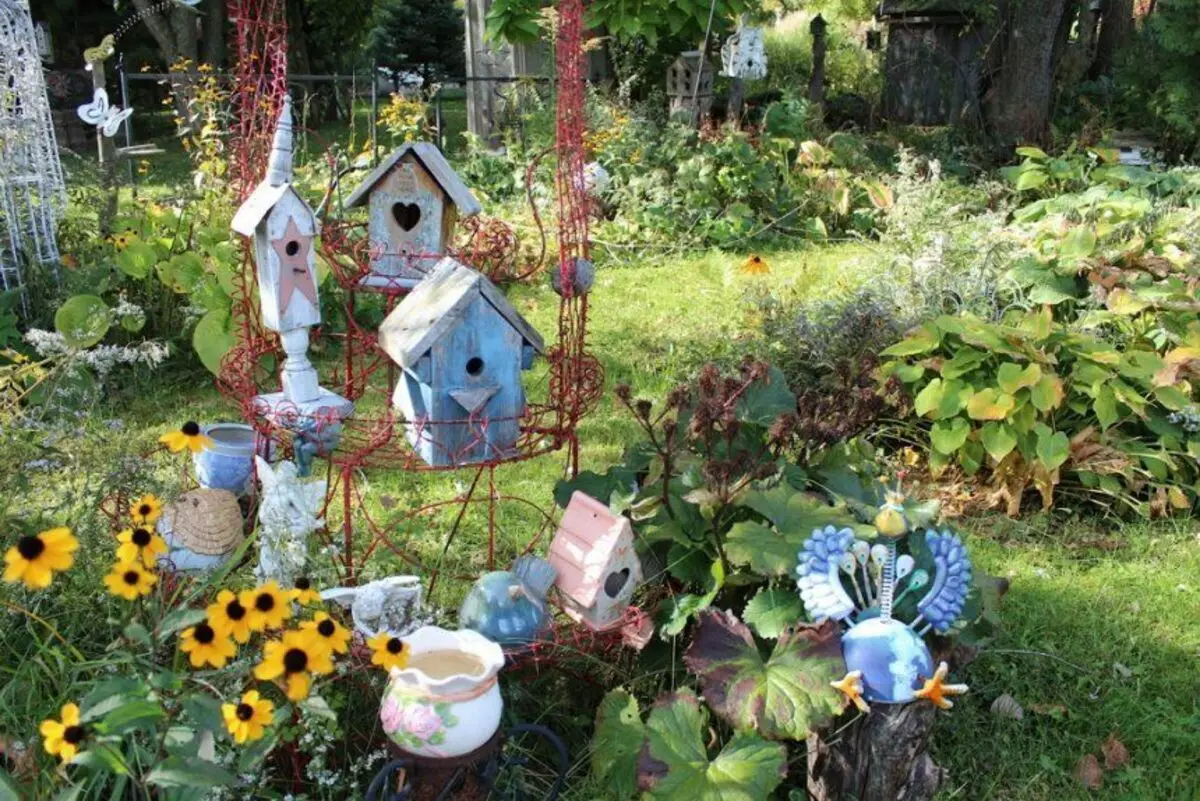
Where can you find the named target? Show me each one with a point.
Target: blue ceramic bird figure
(509, 606)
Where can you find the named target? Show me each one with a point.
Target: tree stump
(883, 756)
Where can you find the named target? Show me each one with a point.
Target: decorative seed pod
(1005, 706)
(581, 273)
(204, 521)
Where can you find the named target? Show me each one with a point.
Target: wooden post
(107, 152)
(816, 84)
(737, 91)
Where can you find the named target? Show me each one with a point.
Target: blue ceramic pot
(229, 461)
(503, 609)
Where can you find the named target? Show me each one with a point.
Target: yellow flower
(188, 436)
(203, 646)
(140, 545)
(35, 558)
(268, 606)
(247, 721)
(329, 631)
(129, 580)
(304, 594)
(61, 738)
(294, 660)
(122, 239)
(229, 618)
(146, 510)
(755, 265)
(388, 652)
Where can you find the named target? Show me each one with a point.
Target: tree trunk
(882, 755)
(174, 30)
(1116, 28)
(816, 82)
(214, 35)
(1023, 88)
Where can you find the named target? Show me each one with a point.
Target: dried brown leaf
(1116, 755)
(1089, 773)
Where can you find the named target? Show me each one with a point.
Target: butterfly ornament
(106, 117)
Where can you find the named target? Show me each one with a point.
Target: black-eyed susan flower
(140, 544)
(303, 592)
(755, 265)
(188, 436)
(388, 652)
(129, 580)
(35, 559)
(329, 631)
(229, 618)
(247, 720)
(61, 738)
(146, 510)
(294, 660)
(268, 606)
(204, 646)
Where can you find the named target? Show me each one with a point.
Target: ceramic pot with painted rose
(445, 702)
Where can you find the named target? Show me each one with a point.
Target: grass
(1101, 628)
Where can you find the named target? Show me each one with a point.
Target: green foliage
(520, 21)
(673, 761)
(782, 697)
(421, 36)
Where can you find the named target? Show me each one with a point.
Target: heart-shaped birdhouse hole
(407, 215)
(615, 582)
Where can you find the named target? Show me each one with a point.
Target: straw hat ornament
(201, 527)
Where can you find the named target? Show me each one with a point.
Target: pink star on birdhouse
(293, 250)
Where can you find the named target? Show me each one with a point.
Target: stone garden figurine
(391, 605)
(289, 512)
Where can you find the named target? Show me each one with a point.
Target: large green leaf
(1053, 447)
(83, 320)
(674, 764)
(1079, 243)
(990, 404)
(929, 398)
(176, 771)
(137, 260)
(1012, 377)
(998, 440)
(213, 338)
(784, 696)
(620, 735)
(948, 436)
(766, 399)
(921, 340)
(9, 791)
(772, 610)
(770, 549)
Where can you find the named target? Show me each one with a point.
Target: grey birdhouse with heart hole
(462, 347)
(414, 199)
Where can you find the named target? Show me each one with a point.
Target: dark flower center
(141, 537)
(204, 634)
(130, 577)
(394, 645)
(245, 711)
(234, 610)
(74, 734)
(145, 509)
(191, 428)
(30, 547)
(303, 583)
(326, 628)
(295, 660)
(265, 602)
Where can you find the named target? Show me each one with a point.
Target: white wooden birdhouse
(462, 347)
(687, 96)
(598, 568)
(414, 199)
(283, 230)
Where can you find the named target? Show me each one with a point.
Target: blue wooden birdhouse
(462, 347)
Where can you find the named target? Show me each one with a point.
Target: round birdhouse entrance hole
(615, 582)
(474, 365)
(292, 248)
(407, 215)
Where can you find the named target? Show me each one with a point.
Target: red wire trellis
(374, 436)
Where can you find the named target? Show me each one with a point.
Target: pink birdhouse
(597, 566)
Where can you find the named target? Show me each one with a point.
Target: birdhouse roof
(584, 545)
(205, 521)
(435, 308)
(899, 9)
(435, 163)
(262, 200)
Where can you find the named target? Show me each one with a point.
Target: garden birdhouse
(414, 198)
(283, 229)
(462, 348)
(682, 87)
(597, 566)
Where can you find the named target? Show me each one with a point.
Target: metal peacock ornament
(843, 578)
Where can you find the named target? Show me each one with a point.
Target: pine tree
(421, 36)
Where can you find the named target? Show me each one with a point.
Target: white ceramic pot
(446, 702)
